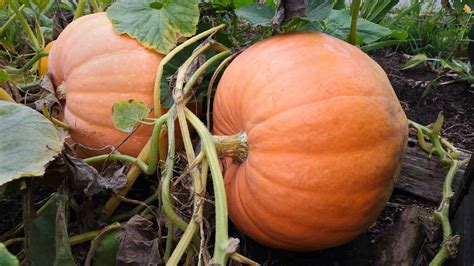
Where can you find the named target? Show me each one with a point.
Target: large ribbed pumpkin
(326, 137)
(96, 67)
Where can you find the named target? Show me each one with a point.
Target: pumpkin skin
(97, 67)
(43, 63)
(326, 138)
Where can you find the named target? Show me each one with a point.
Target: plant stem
(169, 242)
(79, 9)
(52, 119)
(25, 24)
(192, 227)
(148, 153)
(242, 260)
(95, 6)
(79, 239)
(355, 15)
(222, 242)
(135, 210)
(5, 96)
(202, 69)
(448, 247)
(235, 146)
(13, 241)
(211, 83)
(167, 58)
(167, 204)
(10, 21)
(117, 157)
(132, 176)
(28, 64)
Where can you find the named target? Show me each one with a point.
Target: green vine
(448, 155)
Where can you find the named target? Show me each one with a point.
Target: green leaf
(339, 25)
(399, 34)
(106, 249)
(257, 15)
(156, 24)
(318, 9)
(4, 75)
(296, 23)
(64, 255)
(457, 66)
(127, 114)
(6, 258)
(28, 142)
(414, 61)
(49, 238)
(41, 4)
(381, 44)
(376, 10)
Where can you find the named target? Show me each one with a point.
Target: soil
(455, 99)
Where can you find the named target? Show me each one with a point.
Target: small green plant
(432, 30)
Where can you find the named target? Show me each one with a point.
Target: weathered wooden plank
(423, 177)
(400, 244)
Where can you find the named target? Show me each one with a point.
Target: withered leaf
(88, 179)
(137, 243)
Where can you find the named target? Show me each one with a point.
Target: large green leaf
(257, 15)
(6, 258)
(156, 24)
(28, 142)
(49, 238)
(318, 9)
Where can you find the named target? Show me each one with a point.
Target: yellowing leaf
(127, 114)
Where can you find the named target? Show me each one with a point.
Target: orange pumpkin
(326, 138)
(43, 63)
(96, 67)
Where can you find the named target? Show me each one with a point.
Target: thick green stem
(149, 168)
(355, 15)
(211, 83)
(448, 247)
(235, 146)
(95, 6)
(117, 157)
(169, 242)
(167, 204)
(28, 64)
(10, 21)
(25, 24)
(167, 58)
(192, 227)
(222, 242)
(218, 57)
(79, 9)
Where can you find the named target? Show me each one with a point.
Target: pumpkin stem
(235, 146)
